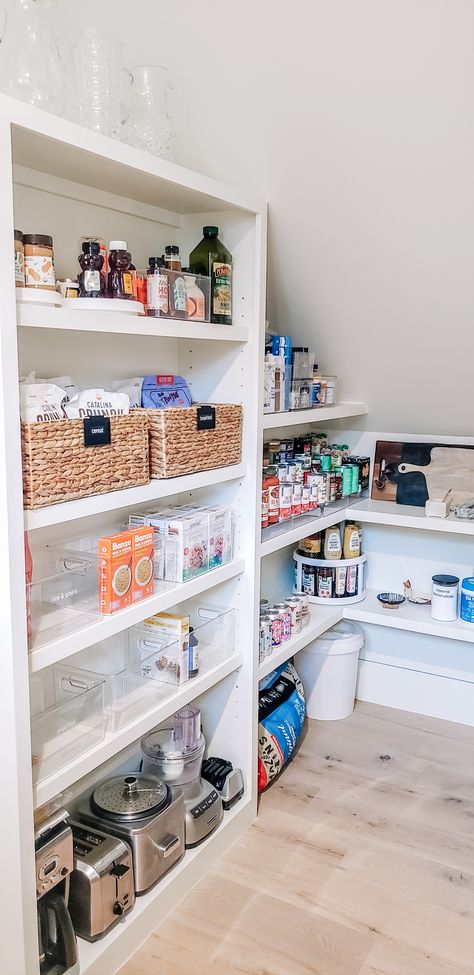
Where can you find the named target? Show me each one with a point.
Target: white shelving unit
(321, 414)
(60, 179)
(321, 619)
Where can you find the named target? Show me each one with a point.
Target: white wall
(354, 119)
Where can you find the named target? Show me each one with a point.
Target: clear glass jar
(147, 124)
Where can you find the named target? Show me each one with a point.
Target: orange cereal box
(115, 572)
(143, 551)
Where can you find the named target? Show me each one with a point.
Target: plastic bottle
(158, 304)
(91, 278)
(120, 283)
(351, 546)
(272, 483)
(332, 543)
(211, 258)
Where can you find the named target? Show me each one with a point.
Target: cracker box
(165, 648)
(115, 572)
(157, 521)
(143, 550)
(187, 546)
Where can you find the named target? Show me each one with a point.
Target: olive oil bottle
(211, 258)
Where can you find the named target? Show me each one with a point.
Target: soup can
(284, 611)
(295, 607)
(265, 642)
(276, 626)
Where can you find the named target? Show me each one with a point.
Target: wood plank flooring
(361, 862)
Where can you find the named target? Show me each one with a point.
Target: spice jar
(39, 262)
(19, 253)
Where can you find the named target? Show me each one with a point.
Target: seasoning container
(39, 262)
(91, 279)
(19, 254)
(467, 599)
(157, 288)
(444, 598)
(120, 281)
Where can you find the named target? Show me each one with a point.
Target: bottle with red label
(272, 484)
(264, 503)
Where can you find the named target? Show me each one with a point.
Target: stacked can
(280, 622)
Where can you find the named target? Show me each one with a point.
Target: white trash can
(328, 669)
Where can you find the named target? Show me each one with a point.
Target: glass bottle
(172, 257)
(211, 258)
(120, 283)
(158, 305)
(91, 279)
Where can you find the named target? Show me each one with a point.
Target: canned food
(286, 500)
(264, 606)
(291, 468)
(284, 611)
(294, 605)
(304, 608)
(313, 497)
(266, 635)
(296, 500)
(282, 471)
(323, 489)
(276, 627)
(305, 498)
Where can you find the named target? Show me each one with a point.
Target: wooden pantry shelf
(114, 742)
(321, 619)
(156, 490)
(407, 516)
(409, 616)
(321, 414)
(170, 594)
(119, 323)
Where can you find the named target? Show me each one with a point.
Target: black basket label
(96, 431)
(206, 418)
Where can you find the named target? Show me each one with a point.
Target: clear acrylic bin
(64, 596)
(139, 674)
(179, 294)
(67, 718)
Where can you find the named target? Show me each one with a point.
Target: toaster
(102, 889)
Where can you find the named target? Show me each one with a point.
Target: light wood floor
(361, 862)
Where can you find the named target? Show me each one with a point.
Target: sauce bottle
(91, 278)
(272, 484)
(351, 541)
(120, 283)
(210, 257)
(172, 258)
(332, 543)
(158, 304)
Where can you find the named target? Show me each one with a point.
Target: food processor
(175, 755)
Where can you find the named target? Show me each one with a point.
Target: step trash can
(328, 669)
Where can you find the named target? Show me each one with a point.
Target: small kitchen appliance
(102, 890)
(175, 754)
(54, 864)
(228, 780)
(141, 810)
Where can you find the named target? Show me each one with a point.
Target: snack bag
(161, 392)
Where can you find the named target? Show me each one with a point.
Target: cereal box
(115, 572)
(143, 549)
(165, 648)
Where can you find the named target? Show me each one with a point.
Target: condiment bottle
(19, 260)
(351, 546)
(120, 283)
(332, 543)
(172, 257)
(158, 304)
(39, 262)
(264, 503)
(210, 257)
(91, 279)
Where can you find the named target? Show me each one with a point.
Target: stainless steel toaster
(102, 889)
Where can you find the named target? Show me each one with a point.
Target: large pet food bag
(281, 714)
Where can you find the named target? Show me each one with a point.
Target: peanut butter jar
(39, 262)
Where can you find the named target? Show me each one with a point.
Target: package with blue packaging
(161, 392)
(281, 714)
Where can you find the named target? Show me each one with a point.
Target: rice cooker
(141, 810)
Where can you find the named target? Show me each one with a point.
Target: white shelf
(106, 626)
(156, 490)
(321, 619)
(412, 617)
(407, 516)
(320, 414)
(39, 316)
(115, 742)
(284, 533)
(105, 957)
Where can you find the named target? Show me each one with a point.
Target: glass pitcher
(147, 124)
(97, 79)
(30, 63)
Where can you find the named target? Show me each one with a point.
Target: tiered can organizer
(360, 593)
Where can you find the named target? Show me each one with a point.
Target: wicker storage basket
(178, 447)
(58, 467)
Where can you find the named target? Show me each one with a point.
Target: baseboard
(414, 690)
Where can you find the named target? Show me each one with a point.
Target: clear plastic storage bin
(68, 718)
(64, 596)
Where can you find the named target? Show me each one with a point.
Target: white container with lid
(444, 598)
(328, 668)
